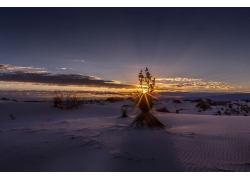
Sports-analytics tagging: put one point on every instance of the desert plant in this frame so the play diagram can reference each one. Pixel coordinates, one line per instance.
(114, 99)
(218, 112)
(71, 101)
(203, 106)
(125, 109)
(67, 100)
(145, 102)
(57, 99)
(12, 117)
(164, 109)
(176, 101)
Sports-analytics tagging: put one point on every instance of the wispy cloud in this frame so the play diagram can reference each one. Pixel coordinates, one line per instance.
(77, 60)
(61, 68)
(183, 84)
(8, 67)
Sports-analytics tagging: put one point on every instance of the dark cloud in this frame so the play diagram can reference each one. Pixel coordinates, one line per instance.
(60, 79)
(8, 67)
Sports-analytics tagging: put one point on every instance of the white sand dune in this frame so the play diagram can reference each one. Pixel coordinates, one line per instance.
(94, 138)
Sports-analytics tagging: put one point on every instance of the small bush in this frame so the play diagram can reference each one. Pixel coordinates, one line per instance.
(245, 108)
(164, 109)
(203, 106)
(114, 99)
(57, 100)
(197, 100)
(5, 99)
(227, 113)
(177, 101)
(218, 112)
(68, 100)
(125, 109)
(12, 117)
(217, 103)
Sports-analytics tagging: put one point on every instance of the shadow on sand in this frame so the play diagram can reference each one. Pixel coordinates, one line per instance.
(145, 150)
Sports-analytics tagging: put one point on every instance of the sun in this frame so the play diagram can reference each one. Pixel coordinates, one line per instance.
(144, 91)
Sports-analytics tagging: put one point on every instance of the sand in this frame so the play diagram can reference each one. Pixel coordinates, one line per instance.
(95, 138)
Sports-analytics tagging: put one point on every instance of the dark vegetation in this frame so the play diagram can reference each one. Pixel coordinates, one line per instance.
(67, 100)
(145, 102)
(114, 99)
(12, 117)
(176, 101)
(218, 112)
(216, 103)
(197, 100)
(4, 99)
(91, 101)
(33, 101)
(125, 110)
(228, 107)
(163, 109)
(203, 106)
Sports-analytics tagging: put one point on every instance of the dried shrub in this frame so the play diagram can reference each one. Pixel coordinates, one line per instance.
(177, 101)
(218, 113)
(227, 113)
(234, 111)
(68, 100)
(203, 106)
(4, 99)
(245, 108)
(217, 103)
(125, 110)
(12, 117)
(114, 99)
(197, 100)
(57, 99)
(164, 109)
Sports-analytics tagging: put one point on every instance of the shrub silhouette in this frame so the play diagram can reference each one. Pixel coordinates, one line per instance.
(177, 101)
(57, 99)
(114, 99)
(145, 102)
(164, 109)
(203, 106)
(68, 100)
(125, 110)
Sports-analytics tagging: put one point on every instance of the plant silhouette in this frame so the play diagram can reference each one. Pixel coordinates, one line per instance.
(145, 102)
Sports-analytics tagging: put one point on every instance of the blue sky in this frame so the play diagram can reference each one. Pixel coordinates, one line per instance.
(186, 49)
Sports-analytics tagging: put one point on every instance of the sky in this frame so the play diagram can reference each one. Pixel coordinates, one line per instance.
(104, 49)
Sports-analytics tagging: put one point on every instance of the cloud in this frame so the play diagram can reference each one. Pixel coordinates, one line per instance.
(77, 60)
(8, 67)
(61, 68)
(192, 83)
(60, 79)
